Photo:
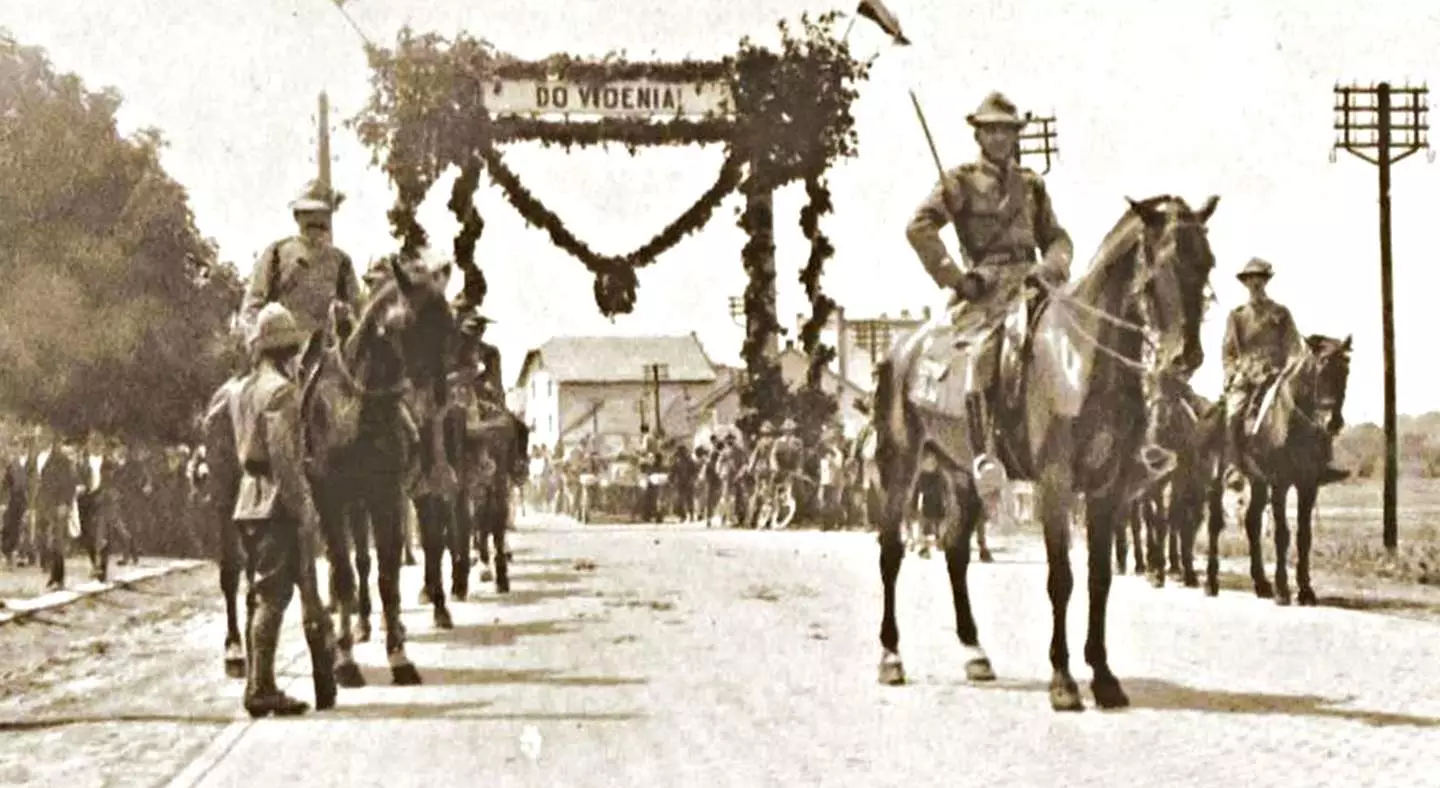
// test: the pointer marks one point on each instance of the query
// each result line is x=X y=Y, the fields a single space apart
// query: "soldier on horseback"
x=306 y=273
x=1260 y=339
x=483 y=360
x=1002 y=214
x=276 y=515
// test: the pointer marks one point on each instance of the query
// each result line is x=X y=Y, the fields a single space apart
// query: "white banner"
x=621 y=99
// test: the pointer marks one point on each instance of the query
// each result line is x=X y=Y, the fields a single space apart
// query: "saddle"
x=950 y=368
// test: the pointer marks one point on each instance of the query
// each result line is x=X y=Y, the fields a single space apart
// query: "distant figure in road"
x=275 y=513
x=1260 y=339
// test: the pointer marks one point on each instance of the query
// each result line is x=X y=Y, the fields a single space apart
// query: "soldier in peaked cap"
x=1003 y=215
x=276 y=516
x=1260 y=339
x=307 y=273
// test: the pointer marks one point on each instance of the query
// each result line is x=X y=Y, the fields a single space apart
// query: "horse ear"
x=1345 y=346
x=1145 y=211
x=1208 y=209
x=402 y=277
x=1315 y=342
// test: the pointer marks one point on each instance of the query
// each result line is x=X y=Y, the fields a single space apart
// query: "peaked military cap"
x=315 y=197
x=275 y=328
x=996 y=110
x=1256 y=267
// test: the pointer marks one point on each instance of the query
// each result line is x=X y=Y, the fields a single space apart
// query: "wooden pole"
x=324 y=142
x=1387 y=316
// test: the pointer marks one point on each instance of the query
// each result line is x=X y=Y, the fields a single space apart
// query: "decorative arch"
x=785 y=116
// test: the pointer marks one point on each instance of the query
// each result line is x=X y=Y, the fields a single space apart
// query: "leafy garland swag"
x=792 y=121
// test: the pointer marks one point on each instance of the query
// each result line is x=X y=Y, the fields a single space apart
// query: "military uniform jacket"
x=266 y=415
x=303 y=279
x=1259 y=338
x=488 y=357
x=1002 y=217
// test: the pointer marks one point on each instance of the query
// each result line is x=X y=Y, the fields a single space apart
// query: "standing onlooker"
x=127 y=487
x=16 y=484
x=51 y=499
x=832 y=469
x=94 y=516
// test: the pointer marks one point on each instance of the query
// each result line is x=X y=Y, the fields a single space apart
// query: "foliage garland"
x=791 y=122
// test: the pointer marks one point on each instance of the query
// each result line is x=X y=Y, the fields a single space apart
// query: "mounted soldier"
x=1002 y=214
x=306 y=273
x=276 y=515
x=1260 y=340
x=482 y=359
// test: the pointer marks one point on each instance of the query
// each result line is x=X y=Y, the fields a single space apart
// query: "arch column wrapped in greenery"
x=790 y=121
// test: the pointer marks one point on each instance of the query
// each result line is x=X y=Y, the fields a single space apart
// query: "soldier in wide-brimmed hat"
x=1009 y=236
x=305 y=272
x=1260 y=338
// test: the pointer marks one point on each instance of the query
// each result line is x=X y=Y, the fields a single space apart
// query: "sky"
x=1195 y=98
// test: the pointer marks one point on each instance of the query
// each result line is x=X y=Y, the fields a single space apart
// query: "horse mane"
x=1119 y=247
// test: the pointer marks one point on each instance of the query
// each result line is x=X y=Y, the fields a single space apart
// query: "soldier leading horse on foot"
x=1069 y=389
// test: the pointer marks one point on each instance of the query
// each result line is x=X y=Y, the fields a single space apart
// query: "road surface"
x=673 y=655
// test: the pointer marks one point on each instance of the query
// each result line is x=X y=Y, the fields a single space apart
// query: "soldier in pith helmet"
x=1260 y=339
x=276 y=515
x=306 y=273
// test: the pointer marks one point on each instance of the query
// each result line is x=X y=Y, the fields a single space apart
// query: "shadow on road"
x=1148 y=693
x=1363 y=603
x=538 y=676
x=43 y=723
x=529 y=596
x=494 y=634
x=472 y=710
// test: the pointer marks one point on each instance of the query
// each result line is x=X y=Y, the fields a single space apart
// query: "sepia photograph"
x=502 y=393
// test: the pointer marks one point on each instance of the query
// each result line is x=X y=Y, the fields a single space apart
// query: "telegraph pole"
x=1042 y=140
x=324 y=142
x=873 y=336
x=1383 y=124
x=653 y=374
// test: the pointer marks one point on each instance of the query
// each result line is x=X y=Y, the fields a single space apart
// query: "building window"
x=550 y=421
x=549 y=388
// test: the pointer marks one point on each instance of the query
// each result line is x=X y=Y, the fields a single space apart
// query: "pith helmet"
x=766 y=428
x=1257 y=268
x=996 y=110
x=314 y=197
x=788 y=426
x=275 y=328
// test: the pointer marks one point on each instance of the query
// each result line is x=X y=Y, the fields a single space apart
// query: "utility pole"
x=1383 y=124
x=653 y=374
x=323 y=155
x=1042 y=140
x=873 y=336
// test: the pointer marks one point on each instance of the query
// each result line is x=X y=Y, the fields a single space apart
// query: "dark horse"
x=1193 y=428
x=218 y=435
x=496 y=449
x=397 y=350
x=1299 y=417
x=1077 y=423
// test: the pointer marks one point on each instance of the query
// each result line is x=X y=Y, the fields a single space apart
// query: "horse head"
x=1328 y=368
x=1171 y=288
x=403 y=340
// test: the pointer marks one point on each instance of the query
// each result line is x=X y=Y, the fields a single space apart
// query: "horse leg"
x=387 y=528
x=965 y=512
x=1122 y=549
x=981 y=523
x=231 y=566
x=337 y=523
x=1254 y=517
x=482 y=537
x=899 y=490
x=1304 y=513
x=1130 y=516
x=1102 y=516
x=499 y=525
x=460 y=535
x=432 y=522
x=1186 y=524
x=1282 y=544
x=1214 y=524
x=1156 y=515
x=362 y=533
x=1054 y=514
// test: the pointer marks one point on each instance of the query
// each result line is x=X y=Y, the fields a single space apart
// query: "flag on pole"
x=876 y=12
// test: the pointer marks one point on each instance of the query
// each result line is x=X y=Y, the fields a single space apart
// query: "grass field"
x=1349 y=529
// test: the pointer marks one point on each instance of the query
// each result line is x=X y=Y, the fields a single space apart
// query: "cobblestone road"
x=687 y=657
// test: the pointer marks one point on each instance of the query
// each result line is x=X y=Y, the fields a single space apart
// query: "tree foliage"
x=115 y=314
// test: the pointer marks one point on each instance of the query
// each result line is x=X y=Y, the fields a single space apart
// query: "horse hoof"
x=235 y=668
x=985 y=557
x=1189 y=580
x=348 y=675
x=892 y=670
x=442 y=619
x=1108 y=694
x=1282 y=597
x=979 y=669
x=1264 y=590
x=486 y=576
x=405 y=675
x=1065 y=695
x=459 y=594
x=362 y=631
x=502 y=585
x=1139 y=569
x=1157 y=579
x=1307 y=597
x=425 y=596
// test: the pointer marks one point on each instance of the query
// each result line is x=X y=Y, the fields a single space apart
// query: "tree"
x=116 y=312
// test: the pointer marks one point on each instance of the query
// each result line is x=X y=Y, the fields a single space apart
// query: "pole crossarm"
x=1390 y=121
x=1044 y=139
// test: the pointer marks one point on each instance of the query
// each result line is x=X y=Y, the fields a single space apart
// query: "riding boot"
x=1235 y=474
x=262 y=697
x=321 y=642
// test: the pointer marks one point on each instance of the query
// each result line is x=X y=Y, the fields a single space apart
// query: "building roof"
x=618 y=359
x=731 y=378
